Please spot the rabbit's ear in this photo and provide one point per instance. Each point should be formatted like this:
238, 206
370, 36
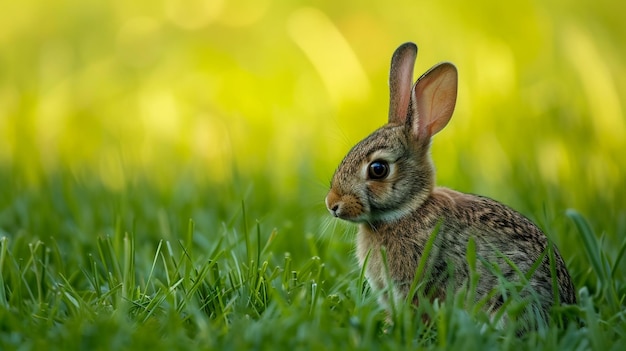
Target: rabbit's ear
432, 100
400, 82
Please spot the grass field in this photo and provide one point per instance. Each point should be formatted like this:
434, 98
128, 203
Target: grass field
204, 267
163, 168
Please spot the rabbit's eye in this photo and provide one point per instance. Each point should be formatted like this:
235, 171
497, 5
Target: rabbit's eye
378, 169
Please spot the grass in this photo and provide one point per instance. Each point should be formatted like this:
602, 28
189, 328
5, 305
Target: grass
196, 266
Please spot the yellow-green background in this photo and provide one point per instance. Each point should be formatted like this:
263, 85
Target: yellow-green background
116, 89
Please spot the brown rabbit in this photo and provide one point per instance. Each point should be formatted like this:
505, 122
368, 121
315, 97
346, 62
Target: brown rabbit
386, 184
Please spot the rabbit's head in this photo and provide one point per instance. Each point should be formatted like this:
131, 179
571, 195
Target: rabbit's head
389, 173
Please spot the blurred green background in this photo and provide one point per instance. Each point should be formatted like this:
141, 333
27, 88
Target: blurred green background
117, 90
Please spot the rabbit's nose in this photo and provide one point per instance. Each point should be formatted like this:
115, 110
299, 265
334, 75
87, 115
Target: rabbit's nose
333, 203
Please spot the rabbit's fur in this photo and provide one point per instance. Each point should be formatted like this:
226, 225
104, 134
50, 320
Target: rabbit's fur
386, 184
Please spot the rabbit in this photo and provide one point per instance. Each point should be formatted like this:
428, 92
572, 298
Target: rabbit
386, 185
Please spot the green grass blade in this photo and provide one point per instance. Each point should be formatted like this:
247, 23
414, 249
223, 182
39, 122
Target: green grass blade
590, 243
420, 271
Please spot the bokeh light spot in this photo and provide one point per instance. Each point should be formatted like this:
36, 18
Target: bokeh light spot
330, 54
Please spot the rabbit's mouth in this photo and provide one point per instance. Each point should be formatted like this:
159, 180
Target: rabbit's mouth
346, 207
